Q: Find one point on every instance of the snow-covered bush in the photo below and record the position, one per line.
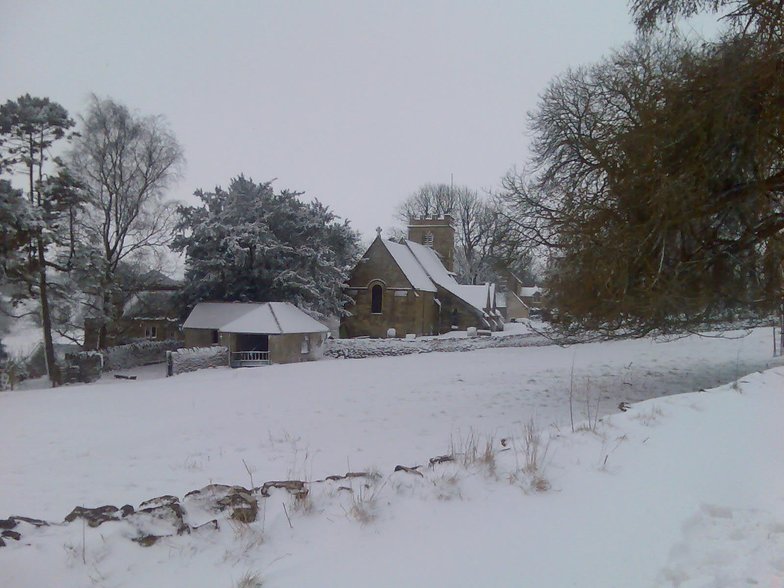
(196, 358)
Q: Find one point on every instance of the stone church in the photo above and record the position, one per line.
(409, 286)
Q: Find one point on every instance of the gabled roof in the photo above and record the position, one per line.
(409, 265)
(151, 305)
(529, 291)
(263, 318)
(476, 296)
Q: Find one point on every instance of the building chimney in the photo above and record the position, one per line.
(435, 232)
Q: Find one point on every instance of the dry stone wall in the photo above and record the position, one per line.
(196, 358)
(123, 357)
(361, 348)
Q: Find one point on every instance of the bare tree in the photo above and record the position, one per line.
(763, 19)
(486, 243)
(127, 162)
(657, 185)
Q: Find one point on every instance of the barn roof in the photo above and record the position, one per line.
(267, 318)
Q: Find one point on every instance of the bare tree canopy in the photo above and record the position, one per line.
(763, 18)
(126, 163)
(486, 243)
(658, 185)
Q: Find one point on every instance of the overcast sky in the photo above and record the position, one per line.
(354, 103)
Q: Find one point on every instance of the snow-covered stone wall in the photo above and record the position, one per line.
(361, 348)
(196, 358)
(123, 357)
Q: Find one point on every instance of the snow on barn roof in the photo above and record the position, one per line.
(275, 318)
(268, 318)
(409, 265)
(213, 315)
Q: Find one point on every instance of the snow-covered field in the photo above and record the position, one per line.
(686, 490)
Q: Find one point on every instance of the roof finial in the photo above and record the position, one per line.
(378, 231)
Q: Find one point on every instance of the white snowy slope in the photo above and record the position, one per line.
(685, 490)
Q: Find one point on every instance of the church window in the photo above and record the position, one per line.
(376, 297)
(427, 240)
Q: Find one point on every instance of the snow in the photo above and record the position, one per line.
(530, 291)
(213, 315)
(272, 318)
(275, 318)
(431, 263)
(409, 265)
(423, 268)
(476, 296)
(684, 489)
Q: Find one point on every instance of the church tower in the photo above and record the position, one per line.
(437, 232)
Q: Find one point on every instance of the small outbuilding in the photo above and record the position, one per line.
(256, 333)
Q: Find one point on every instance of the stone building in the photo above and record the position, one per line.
(409, 286)
(256, 333)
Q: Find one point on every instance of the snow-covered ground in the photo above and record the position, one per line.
(684, 490)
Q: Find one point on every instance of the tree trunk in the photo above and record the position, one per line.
(46, 319)
(107, 313)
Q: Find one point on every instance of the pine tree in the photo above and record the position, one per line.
(29, 126)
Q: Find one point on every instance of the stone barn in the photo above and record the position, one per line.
(256, 333)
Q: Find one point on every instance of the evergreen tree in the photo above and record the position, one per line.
(249, 243)
(17, 221)
(29, 126)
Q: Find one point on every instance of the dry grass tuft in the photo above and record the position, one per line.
(529, 474)
(649, 417)
(471, 451)
(247, 538)
(249, 580)
(364, 503)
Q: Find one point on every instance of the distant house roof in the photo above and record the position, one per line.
(529, 291)
(156, 280)
(264, 318)
(154, 305)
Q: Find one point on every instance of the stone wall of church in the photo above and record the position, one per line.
(405, 310)
(457, 313)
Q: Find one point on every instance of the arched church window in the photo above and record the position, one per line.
(427, 240)
(376, 299)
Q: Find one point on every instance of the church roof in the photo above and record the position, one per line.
(410, 266)
(424, 269)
